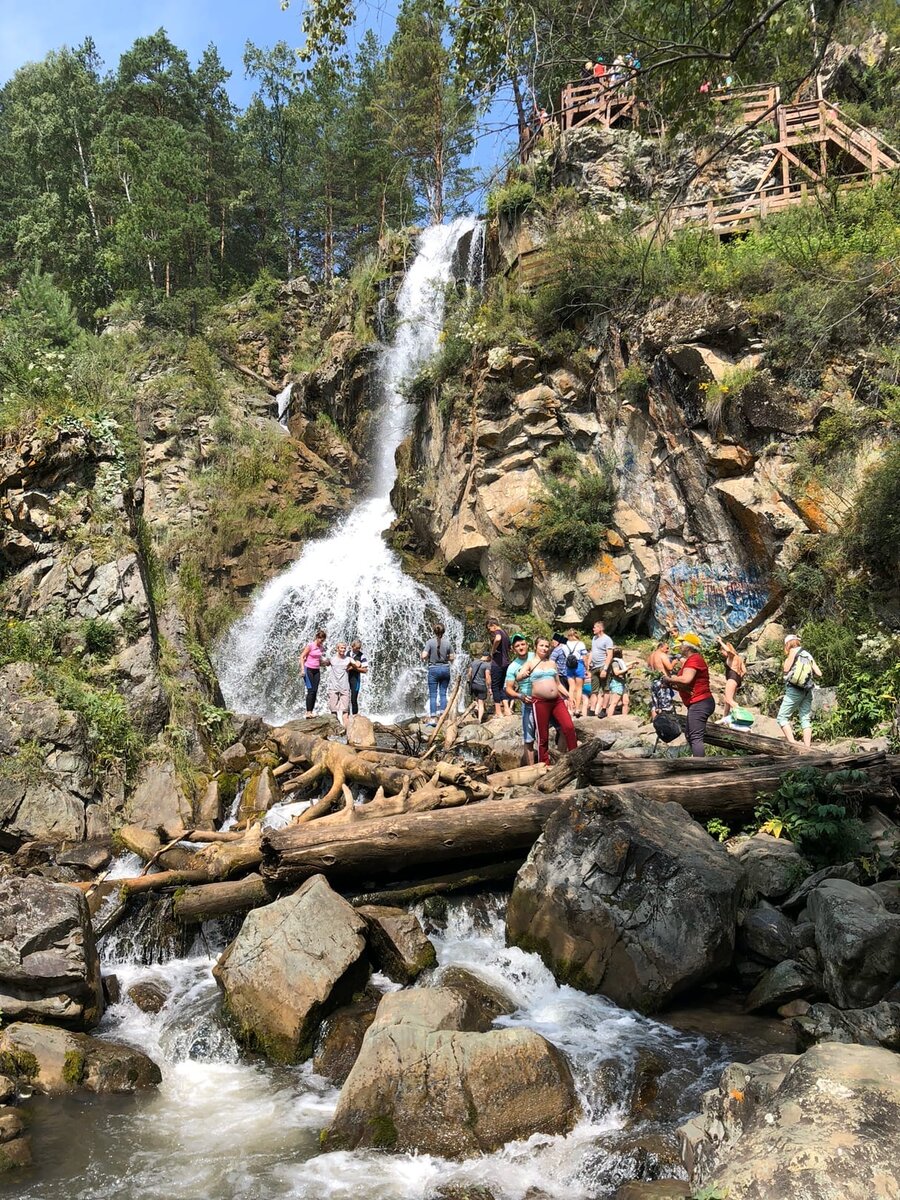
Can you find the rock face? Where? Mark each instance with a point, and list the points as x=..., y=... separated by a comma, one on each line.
x=56, y=1061
x=49, y=969
x=397, y=941
x=424, y=1083
x=875, y=1026
x=822, y=1126
x=858, y=941
x=293, y=962
x=627, y=897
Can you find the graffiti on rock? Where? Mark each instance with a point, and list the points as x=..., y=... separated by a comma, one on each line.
x=709, y=599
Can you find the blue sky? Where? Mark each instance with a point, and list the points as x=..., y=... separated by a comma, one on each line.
x=29, y=28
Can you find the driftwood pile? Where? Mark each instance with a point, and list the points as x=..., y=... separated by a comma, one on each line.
x=426, y=812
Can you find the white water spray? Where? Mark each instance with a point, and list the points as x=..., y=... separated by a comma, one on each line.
x=351, y=583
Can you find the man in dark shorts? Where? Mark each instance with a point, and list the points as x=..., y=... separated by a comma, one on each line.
x=499, y=663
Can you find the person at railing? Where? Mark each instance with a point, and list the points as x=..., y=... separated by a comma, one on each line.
x=704, y=87
x=587, y=72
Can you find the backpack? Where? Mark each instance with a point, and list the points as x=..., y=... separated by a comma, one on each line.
x=667, y=727
x=571, y=660
x=801, y=673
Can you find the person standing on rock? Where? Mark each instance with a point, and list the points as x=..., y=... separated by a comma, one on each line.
x=601, y=658
x=499, y=663
x=659, y=659
x=478, y=679
x=438, y=655
x=692, y=684
x=558, y=653
x=735, y=670
x=618, y=684
x=356, y=674
x=548, y=695
x=800, y=671
x=576, y=659
x=311, y=666
x=338, y=681
x=517, y=690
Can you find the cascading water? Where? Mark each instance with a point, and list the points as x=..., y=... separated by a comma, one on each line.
x=351, y=583
x=224, y=1126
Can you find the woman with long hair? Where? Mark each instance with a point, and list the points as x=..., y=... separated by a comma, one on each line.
x=548, y=694
x=735, y=670
x=311, y=666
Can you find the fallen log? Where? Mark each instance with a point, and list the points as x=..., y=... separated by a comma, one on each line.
x=442, y=885
x=738, y=792
x=391, y=845
x=612, y=769
x=741, y=739
x=573, y=765
x=208, y=900
x=517, y=776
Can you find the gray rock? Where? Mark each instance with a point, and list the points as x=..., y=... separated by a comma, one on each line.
x=49, y=969
x=94, y=855
x=825, y=1130
x=55, y=1061
x=788, y=980
x=765, y=932
x=858, y=942
x=889, y=893
x=484, y=1002
x=774, y=866
x=875, y=1026
x=797, y=899
x=423, y=1083
x=397, y=942
x=341, y=1037
x=627, y=897
x=235, y=758
x=658, y=1189
x=148, y=996
x=158, y=799
x=292, y=963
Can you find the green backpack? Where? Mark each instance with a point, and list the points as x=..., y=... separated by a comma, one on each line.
x=801, y=673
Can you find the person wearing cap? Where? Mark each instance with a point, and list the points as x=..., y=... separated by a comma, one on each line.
x=692, y=684
x=520, y=689
x=800, y=671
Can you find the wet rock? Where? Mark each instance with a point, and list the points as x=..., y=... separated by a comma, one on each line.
x=423, y=1083
x=461, y=1191
x=858, y=942
x=659, y=1189
x=341, y=1037
x=149, y=996
x=765, y=932
x=789, y=980
x=774, y=867
x=235, y=758
x=484, y=1002
x=94, y=855
x=293, y=962
x=624, y=1155
x=889, y=893
x=49, y=969
x=397, y=942
x=55, y=1061
x=158, y=798
x=15, y=1153
x=875, y=1026
x=827, y=1130
x=435, y=910
x=11, y=1124
x=627, y=897
x=260, y=793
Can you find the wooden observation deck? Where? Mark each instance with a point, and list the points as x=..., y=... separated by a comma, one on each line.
x=816, y=148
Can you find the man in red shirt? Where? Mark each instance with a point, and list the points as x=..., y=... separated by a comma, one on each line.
x=692, y=682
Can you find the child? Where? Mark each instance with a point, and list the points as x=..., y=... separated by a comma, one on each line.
x=618, y=684
x=478, y=683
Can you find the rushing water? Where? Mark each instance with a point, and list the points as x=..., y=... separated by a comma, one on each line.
x=351, y=583
x=225, y=1126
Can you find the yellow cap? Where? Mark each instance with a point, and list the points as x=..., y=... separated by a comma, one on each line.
x=691, y=639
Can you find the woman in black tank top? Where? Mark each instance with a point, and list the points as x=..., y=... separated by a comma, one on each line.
x=735, y=670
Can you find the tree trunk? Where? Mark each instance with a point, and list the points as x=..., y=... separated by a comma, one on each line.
x=207, y=900
x=441, y=885
x=573, y=765
x=389, y=846
x=740, y=739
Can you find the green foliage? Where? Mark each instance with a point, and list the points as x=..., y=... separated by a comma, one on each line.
x=39, y=640
x=25, y=765
x=573, y=513
x=818, y=811
x=512, y=548
x=634, y=384
x=719, y=393
x=871, y=534
x=718, y=829
x=510, y=199
x=208, y=389
x=45, y=310
x=863, y=664
x=100, y=637
x=112, y=738
x=264, y=289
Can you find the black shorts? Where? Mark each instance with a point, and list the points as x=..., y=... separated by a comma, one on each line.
x=498, y=687
x=478, y=691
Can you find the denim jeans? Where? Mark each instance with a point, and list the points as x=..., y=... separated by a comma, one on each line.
x=438, y=679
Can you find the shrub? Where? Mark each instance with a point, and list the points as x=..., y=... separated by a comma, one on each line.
x=871, y=535
x=264, y=289
x=45, y=310
x=818, y=811
x=573, y=514
x=718, y=394
x=208, y=391
x=634, y=384
x=510, y=199
x=99, y=637
x=112, y=738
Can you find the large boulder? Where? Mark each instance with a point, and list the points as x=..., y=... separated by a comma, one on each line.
x=766, y=933
x=875, y=1026
x=292, y=963
x=158, y=799
x=397, y=941
x=49, y=969
x=822, y=1126
x=56, y=1061
x=627, y=896
x=424, y=1083
x=774, y=866
x=341, y=1038
x=858, y=942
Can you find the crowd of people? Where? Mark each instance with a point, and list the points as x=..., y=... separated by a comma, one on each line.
x=559, y=679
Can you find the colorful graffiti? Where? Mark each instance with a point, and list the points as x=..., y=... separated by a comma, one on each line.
x=711, y=599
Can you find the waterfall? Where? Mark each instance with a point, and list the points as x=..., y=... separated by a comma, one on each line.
x=283, y=403
x=350, y=582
